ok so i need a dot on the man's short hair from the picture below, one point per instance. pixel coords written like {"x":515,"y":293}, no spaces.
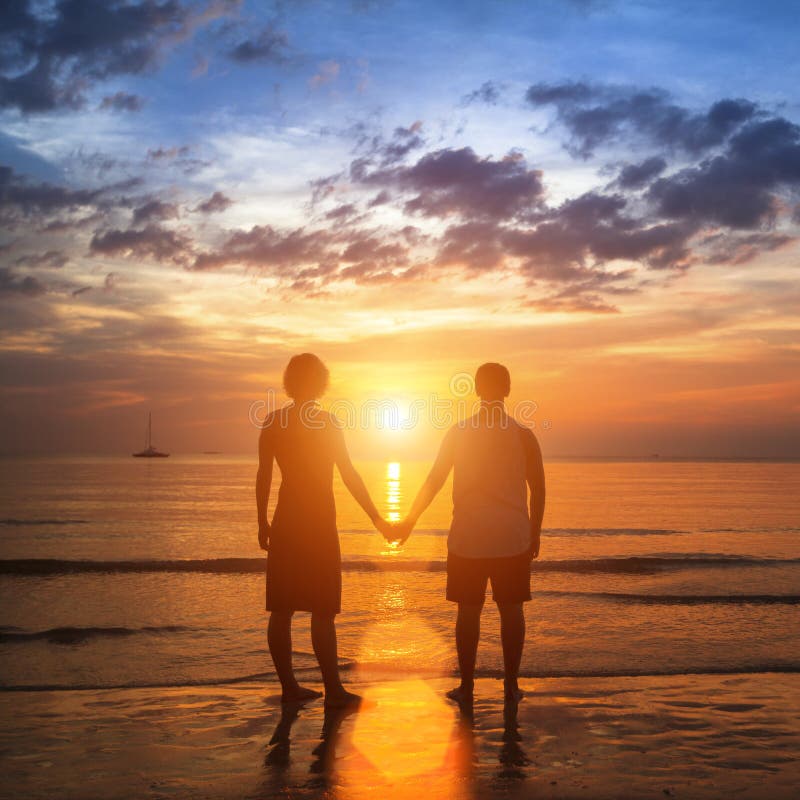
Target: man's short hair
{"x":492,"y":381}
{"x":305,"y":377}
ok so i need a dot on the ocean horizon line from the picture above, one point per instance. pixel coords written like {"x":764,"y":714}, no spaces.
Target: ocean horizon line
{"x":421,"y":459}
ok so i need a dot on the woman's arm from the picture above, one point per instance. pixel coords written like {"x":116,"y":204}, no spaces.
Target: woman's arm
{"x":263,"y":485}
{"x":356,"y":486}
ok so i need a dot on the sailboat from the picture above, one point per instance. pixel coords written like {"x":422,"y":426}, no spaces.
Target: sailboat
{"x":150,"y":451}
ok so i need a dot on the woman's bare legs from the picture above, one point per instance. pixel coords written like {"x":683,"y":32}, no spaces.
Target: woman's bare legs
{"x":279,"y":637}
{"x":323,"y":638}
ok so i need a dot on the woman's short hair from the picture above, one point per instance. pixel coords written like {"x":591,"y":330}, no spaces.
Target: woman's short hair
{"x":492,"y":381}
{"x":305,"y":377}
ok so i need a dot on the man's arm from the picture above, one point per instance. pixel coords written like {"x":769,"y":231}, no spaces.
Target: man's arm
{"x":263,"y":485}
{"x":535,"y":478}
{"x":433,"y":483}
{"x":356,"y":486}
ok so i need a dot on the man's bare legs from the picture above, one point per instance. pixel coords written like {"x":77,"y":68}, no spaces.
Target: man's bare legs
{"x":468,"y":631}
{"x":512,"y":635}
{"x":279,"y":637}
{"x":323,"y":638}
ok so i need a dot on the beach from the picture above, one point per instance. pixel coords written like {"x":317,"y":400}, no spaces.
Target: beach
{"x":661,"y":654}
{"x":397,"y":348}
{"x":670,"y":736}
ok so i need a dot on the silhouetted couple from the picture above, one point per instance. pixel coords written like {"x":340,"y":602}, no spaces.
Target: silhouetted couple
{"x":493,"y":535}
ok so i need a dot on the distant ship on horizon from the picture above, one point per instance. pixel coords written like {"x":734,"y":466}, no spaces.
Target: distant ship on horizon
{"x":150,"y":451}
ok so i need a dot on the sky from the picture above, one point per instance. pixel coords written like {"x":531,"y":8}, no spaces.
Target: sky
{"x":603,"y":196}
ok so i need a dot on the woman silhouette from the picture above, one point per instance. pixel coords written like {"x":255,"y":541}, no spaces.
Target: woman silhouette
{"x":304,"y":562}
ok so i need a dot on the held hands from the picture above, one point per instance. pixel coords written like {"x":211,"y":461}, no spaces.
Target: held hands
{"x":402,"y":530}
{"x":395,"y":532}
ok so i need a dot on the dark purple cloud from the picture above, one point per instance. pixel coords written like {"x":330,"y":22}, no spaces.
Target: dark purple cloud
{"x":216,"y":203}
{"x":13,"y":285}
{"x":636,"y":176}
{"x":401,"y":144}
{"x":377,"y":149}
{"x":178,"y":156}
{"x":477,"y":245}
{"x":567,"y":248}
{"x":448,"y":182}
{"x":50,"y":259}
{"x":52,"y":53}
{"x":269,"y":45}
{"x":158,"y":244}
{"x":342,"y":213}
{"x":739,"y":188}
{"x":380,"y":199}
{"x":372,"y":248}
{"x":595,"y":115}
{"x":22,"y":200}
{"x":488,"y":93}
{"x":268,"y":249}
{"x":16,"y":191}
{"x":739,"y":170}
{"x":310,"y":259}
{"x":154,"y":210}
{"x":727,"y":248}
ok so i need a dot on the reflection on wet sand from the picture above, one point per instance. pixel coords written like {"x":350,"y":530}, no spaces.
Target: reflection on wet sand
{"x":513,"y":758}
{"x":323,"y":765}
{"x":392,"y":503}
{"x":278,"y":755}
{"x":405,"y":741}
{"x":319,"y":758}
{"x":699,"y":736}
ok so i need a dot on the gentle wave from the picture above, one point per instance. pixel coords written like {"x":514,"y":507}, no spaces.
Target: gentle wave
{"x":682,"y":599}
{"x":545,"y":531}
{"x":630,"y":564}
{"x":69,"y":635}
{"x":761,"y":668}
{"x":18,"y":522}
{"x":611,"y":532}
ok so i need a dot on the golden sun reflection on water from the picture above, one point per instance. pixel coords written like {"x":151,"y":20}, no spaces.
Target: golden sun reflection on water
{"x":393,"y":498}
{"x":393,"y":491}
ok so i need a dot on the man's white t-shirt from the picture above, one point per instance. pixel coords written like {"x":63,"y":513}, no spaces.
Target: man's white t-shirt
{"x":490,"y":492}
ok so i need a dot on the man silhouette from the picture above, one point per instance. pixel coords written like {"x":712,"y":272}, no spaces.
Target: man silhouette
{"x":493,"y":537}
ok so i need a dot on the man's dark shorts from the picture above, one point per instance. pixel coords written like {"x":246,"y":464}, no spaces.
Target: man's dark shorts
{"x":510,"y":577}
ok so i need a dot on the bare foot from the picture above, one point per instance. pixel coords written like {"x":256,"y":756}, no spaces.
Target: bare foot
{"x":461,"y":694}
{"x":342,"y":699}
{"x":299,"y":694}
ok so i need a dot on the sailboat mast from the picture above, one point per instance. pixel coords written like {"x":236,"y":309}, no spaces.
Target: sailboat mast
{"x":149,"y":429}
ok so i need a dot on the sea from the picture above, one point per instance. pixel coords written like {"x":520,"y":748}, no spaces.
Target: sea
{"x":122,"y":572}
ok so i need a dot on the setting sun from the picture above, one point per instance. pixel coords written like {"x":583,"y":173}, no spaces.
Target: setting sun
{"x":399,"y":400}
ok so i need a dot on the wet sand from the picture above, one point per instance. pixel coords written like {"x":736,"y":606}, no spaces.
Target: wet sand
{"x":687,"y":736}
